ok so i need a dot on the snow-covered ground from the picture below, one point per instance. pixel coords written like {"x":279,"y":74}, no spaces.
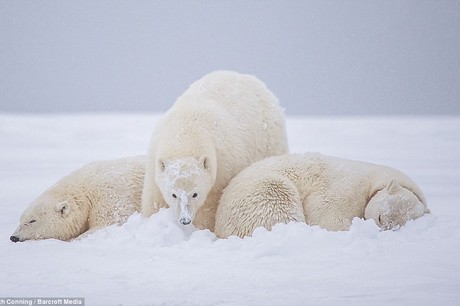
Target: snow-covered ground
{"x":158,"y":262}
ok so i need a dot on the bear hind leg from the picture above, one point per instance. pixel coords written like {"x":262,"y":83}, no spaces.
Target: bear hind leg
{"x":248,"y":204}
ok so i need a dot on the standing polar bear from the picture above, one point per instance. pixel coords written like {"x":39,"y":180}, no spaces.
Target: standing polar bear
{"x":97,"y":195}
{"x":221,"y":124}
{"x":319,"y":190}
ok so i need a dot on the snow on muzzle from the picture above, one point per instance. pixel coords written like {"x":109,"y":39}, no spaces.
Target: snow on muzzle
{"x":185,"y":217}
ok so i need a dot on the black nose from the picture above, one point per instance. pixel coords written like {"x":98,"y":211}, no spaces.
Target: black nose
{"x":185,"y":221}
{"x":14,"y":238}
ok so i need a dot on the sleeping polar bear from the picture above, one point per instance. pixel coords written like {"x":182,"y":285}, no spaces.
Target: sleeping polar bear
{"x":98,"y":194}
{"x":319,"y":190}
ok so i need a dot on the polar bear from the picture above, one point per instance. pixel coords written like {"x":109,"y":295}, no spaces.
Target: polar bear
{"x":221,"y":124}
{"x":319,"y":190}
{"x":98,"y":194}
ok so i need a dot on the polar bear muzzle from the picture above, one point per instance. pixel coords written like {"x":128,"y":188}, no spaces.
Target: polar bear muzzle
{"x":185,"y":216}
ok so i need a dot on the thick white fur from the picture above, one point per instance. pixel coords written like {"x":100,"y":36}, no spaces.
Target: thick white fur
{"x":221,"y":124}
{"x":97,"y":195}
{"x":319,"y":190}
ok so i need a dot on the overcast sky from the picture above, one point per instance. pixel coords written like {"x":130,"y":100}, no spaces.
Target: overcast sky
{"x":318,"y":57}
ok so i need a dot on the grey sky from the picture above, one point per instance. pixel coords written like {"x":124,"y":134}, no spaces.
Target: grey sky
{"x":318,"y":57}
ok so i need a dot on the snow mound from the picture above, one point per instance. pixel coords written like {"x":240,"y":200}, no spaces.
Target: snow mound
{"x":160,"y":230}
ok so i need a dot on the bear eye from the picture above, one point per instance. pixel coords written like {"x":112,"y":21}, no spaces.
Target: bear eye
{"x":174,"y":196}
{"x":195,"y":195}
{"x":32,"y":221}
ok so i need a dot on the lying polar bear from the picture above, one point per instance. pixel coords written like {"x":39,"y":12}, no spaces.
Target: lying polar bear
{"x":319,"y":190}
{"x":97,"y":195}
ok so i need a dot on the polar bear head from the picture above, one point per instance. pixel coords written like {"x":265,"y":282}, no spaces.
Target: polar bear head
{"x":185,"y":184}
{"x":392,"y":206}
{"x":51,"y":217}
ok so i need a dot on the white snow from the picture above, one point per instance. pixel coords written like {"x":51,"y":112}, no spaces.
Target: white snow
{"x":156,"y":261}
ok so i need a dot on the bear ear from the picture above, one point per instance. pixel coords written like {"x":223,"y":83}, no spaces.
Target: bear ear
{"x":204,"y":162}
{"x":161,"y":165}
{"x":63,"y":208}
{"x":393,"y":186}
